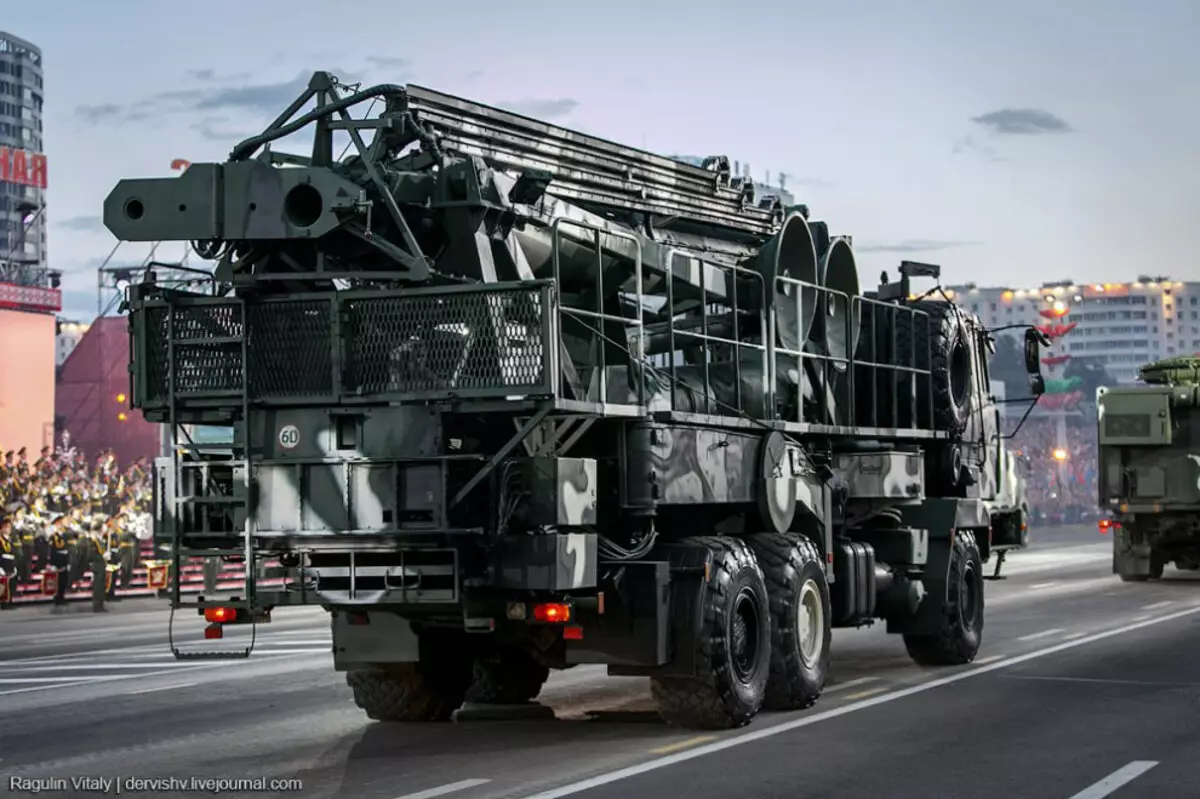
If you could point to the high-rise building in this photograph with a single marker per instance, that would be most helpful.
(1120, 326)
(22, 165)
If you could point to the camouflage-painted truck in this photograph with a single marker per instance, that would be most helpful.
(510, 398)
(1149, 469)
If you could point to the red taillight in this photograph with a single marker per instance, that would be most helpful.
(572, 633)
(213, 631)
(357, 619)
(220, 615)
(1105, 524)
(552, 613)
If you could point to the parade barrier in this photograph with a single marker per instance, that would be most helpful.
(150, 578)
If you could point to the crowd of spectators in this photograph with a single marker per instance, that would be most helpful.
(1060, 467)
(63, 493)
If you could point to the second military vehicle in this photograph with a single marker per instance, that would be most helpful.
(1149, 469)
(509, 398)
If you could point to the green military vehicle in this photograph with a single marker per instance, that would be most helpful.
(1149, 469)
(509, 398)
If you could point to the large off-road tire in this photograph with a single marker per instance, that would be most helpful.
(507, 677)
(1157, 567)
(801, 619)
(733, 650)
(1134, 578)
(430, 690)
(961, 632)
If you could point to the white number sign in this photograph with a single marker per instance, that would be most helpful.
(289, 436)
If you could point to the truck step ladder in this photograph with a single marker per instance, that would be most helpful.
(182, 496)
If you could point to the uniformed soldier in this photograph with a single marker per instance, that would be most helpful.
(112, 543)
(21, 528)
(129, 548)
(60, 556)
(8, 560)
(98, 565)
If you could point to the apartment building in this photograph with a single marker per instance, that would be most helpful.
(1121, 326)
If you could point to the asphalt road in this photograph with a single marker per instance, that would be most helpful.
(1079, 676)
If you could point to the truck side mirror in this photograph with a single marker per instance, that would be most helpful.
(1037, 385)
(1034, 341)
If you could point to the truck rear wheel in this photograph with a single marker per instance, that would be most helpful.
(508, 677)
(801, 619)
(733, 649)
(961, 632)
(1157, 567)
(429, 690)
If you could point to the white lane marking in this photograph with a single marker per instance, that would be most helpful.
(130, 631)
(1112, 782)
(76, 666)
(60, 680)
(162, 688)
(777, 729)
(1015, 568)
(842, 686)
(1101, 681)
(988, 659)
(1143, 617)
(149, 649)
(1158, 605)
(1073, 636)
(1040, 586)
(1042, 634)
(308, 650)
(1029, 595)
(442, 790)
(12, 691)
(113, 677)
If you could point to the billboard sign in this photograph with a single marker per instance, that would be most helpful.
(30, 298)
(22, 167)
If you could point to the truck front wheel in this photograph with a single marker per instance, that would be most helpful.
(961, 629)
(732, 651)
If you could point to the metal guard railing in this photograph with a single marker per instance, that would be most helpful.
(419, 344)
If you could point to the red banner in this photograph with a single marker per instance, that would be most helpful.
(23, 167)
(30, 298)
(1055, 331)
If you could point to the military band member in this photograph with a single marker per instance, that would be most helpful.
(97, 561)
(60, 556)
(8, 560)
(128, 546)
(112, 544)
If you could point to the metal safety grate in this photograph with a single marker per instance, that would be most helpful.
(412, 345)
(479, 342)
(289, 350)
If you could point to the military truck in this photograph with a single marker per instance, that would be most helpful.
(1009, 508)
(509, 398)
(1149, 469)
